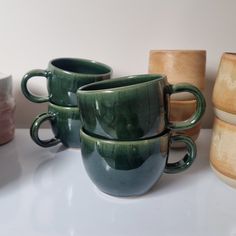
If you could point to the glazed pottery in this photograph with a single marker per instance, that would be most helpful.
(183, 110)
(65, 125)
(64, 77)
(133, 107)
(224, 92)
(7, 109)
(226, 116)
(223, 152)
(131, 168)
(180, 66)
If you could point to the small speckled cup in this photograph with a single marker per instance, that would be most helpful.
(65, 123)
(131, 168)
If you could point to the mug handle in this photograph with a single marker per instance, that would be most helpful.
(200, 109)
(34, 131)
(24, 88)
(186, 162)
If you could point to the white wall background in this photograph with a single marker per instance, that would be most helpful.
(117, 32)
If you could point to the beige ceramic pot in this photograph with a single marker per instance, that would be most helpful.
(180, 66)
(182, 110)
(224, 92)
(223, 151)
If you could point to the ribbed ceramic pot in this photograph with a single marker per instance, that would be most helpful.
(223, 151)
(180, 66)
(65, 124)
(131, 168)
(183, 110)
(133, 107)
(64, 76)
(7, 109)
(224, 92)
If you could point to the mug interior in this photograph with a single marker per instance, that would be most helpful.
(122, 82)
(81, 66)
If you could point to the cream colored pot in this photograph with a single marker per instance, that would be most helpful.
(224, 92)
(223, 151)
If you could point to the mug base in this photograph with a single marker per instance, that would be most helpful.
(229, 181)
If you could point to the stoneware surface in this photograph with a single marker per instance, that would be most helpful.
(225, 116)
(224, 92)
(180, 66)
(7, 109)
(131, 168)
(65, 123)
(133, 107)
(230, 181)
(222, 151)
(64, 77)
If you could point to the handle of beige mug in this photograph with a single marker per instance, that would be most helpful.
(200, 108)
(34, 130)
(25, 90)
(186, 162)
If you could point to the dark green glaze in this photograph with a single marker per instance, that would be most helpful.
(132, 107)
(200, 108)
(64, 77)
(131, 168)
(65, 123)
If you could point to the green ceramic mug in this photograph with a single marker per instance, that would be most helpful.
(65, 123)
(131, 168)
(64, 77)
(133, 107)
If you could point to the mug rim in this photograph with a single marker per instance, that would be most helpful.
(178, 51)
(105, 140)
(229, 55)
(156, 77)
(63, 108)
(108, 68)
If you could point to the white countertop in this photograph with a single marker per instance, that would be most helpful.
(46, 192)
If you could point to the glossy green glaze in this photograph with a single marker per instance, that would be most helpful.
(131, 168)
(65, 123)
(132, 107)
(64, 77)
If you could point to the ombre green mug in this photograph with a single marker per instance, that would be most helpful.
(133, 107)
(64, 76)
(131, 168)
(65, 124)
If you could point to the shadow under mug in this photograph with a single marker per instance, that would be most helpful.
(64, 76)
(133, 107)
(131, 168)
(65, 123)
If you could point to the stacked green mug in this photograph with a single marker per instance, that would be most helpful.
(64, 76)
(126, 133)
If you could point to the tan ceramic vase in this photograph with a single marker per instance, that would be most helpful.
(223, 151)
(224, 92)
(180, 66)
(7, 109)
